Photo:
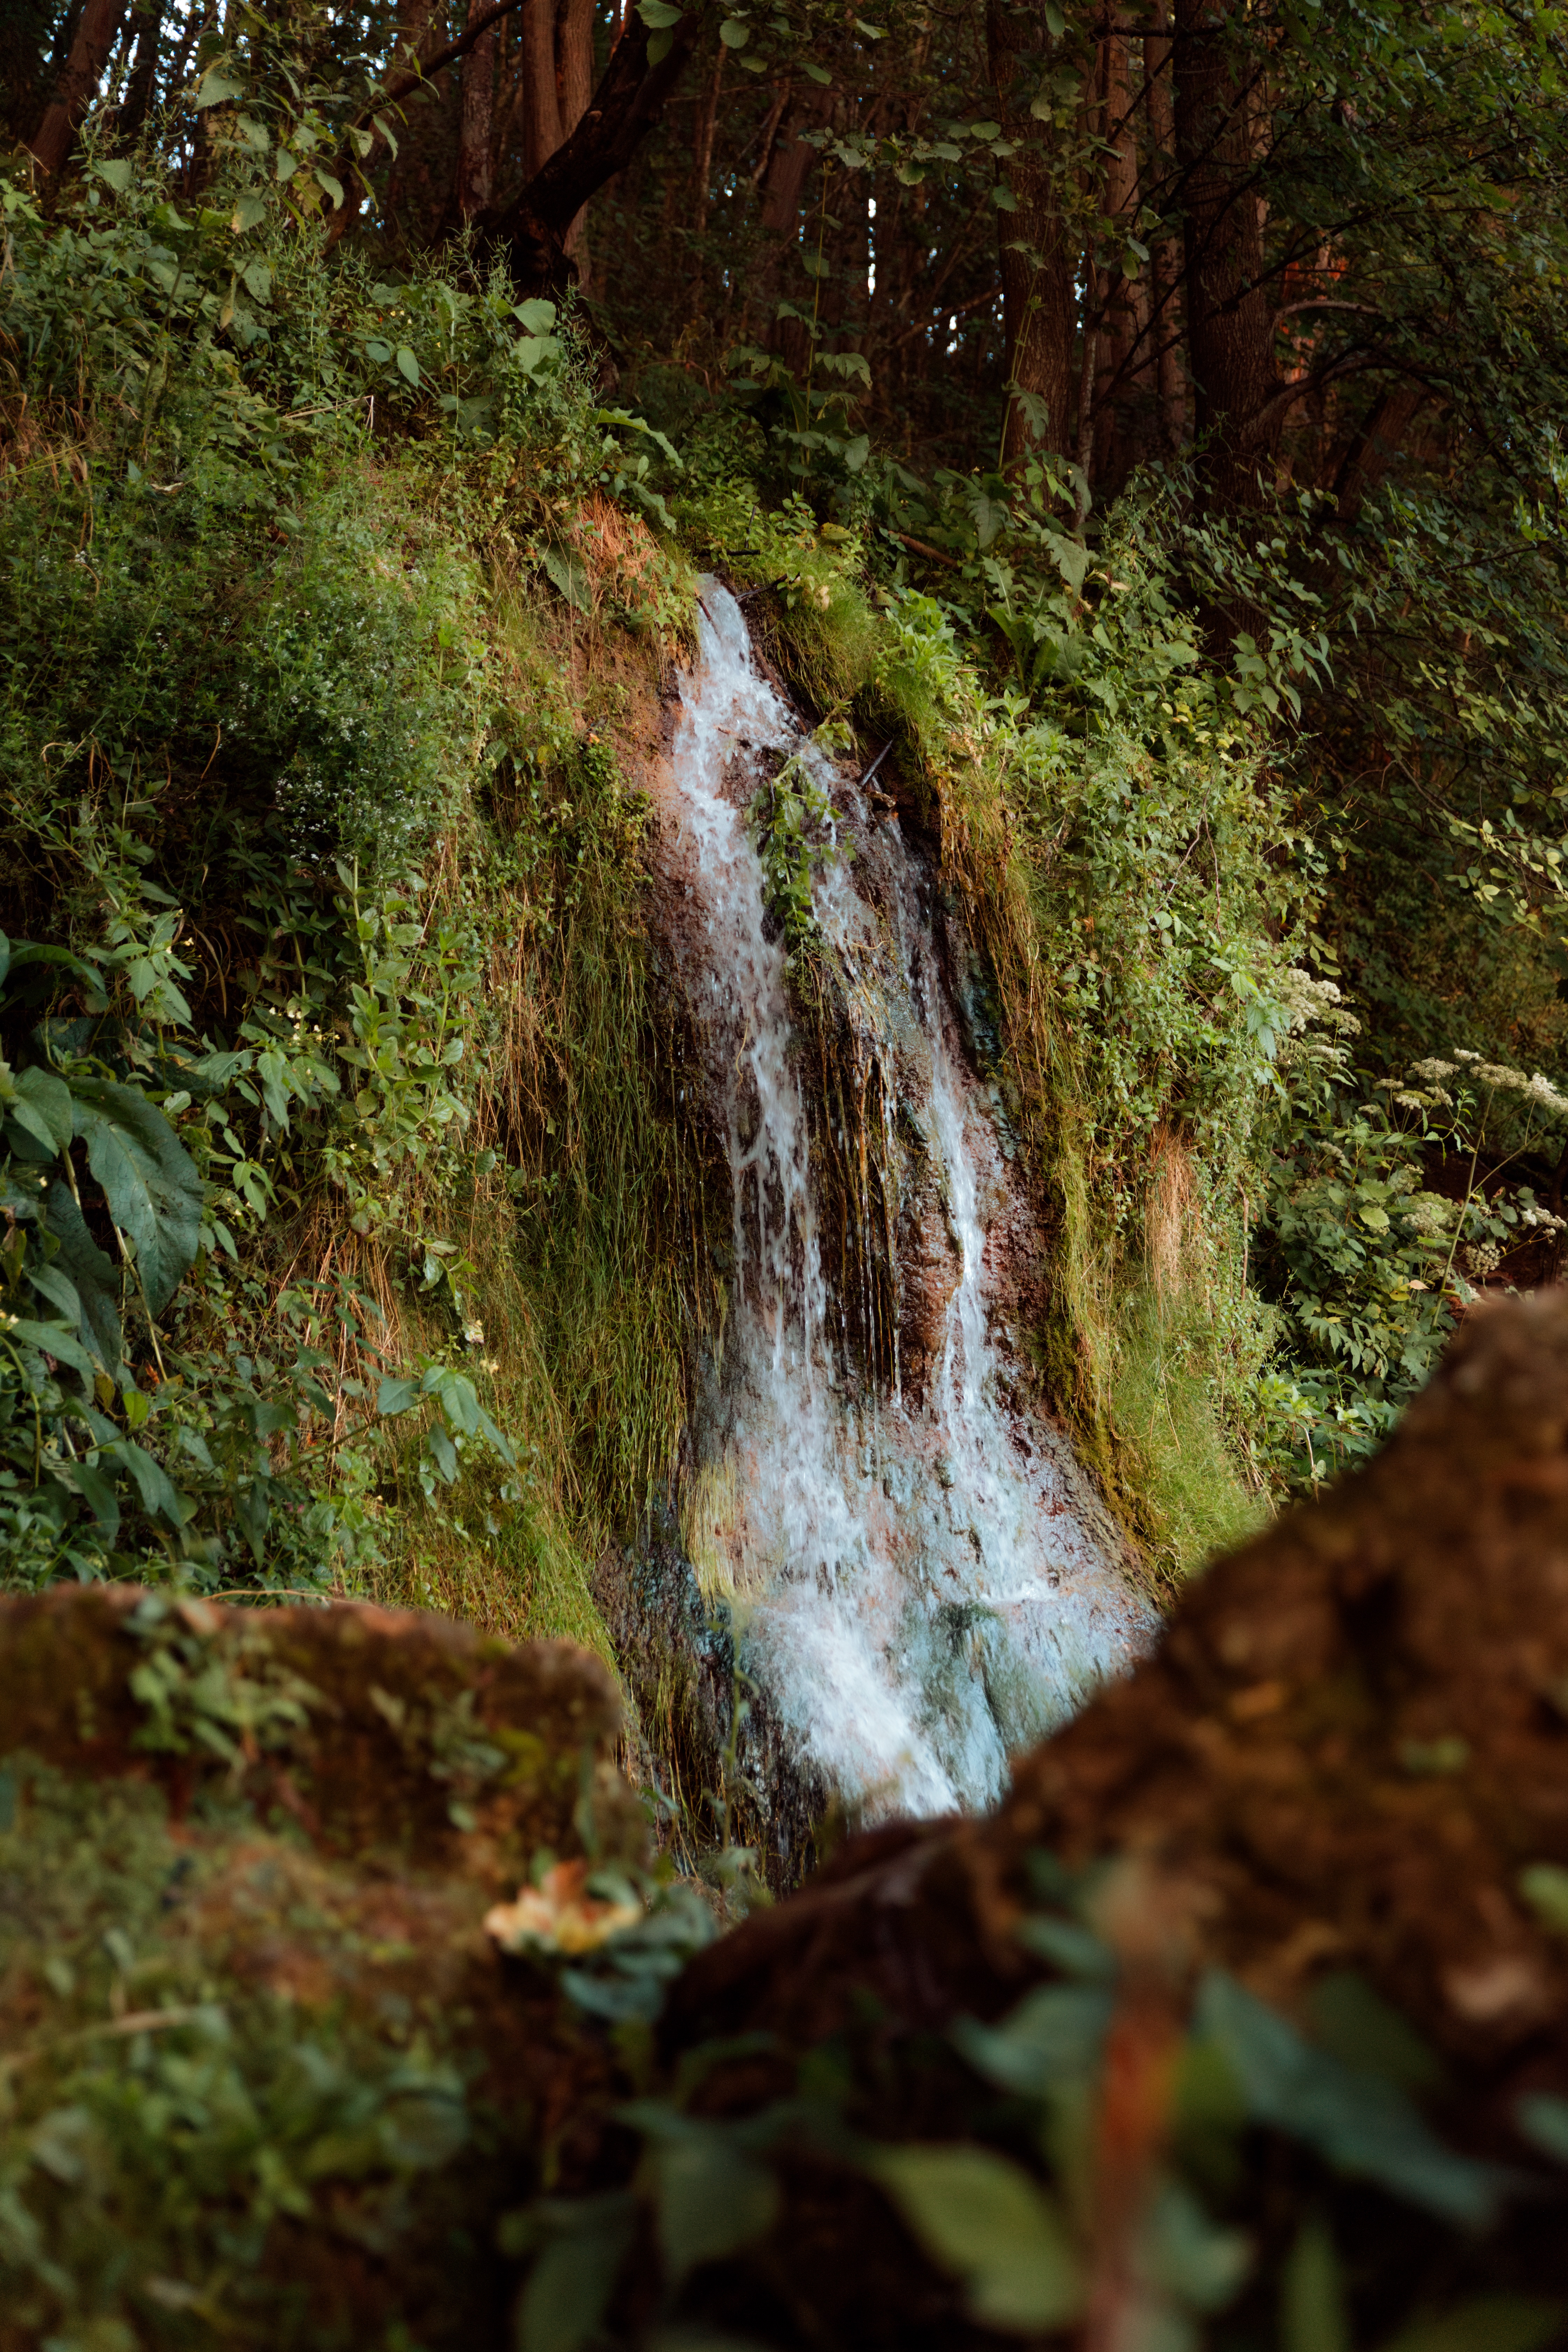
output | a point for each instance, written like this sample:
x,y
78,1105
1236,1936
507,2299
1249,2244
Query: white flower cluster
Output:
x,y
1535,1088
1429,1214
1306,1000
1499,1076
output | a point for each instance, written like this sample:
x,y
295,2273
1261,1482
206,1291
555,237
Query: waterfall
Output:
x,y
919,1575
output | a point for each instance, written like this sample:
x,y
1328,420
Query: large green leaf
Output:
x,y
149,1180
91,1273
57,1340
1360,2123
159,1495
47,1099
582,2243
987,2219
714,2196
1055,2035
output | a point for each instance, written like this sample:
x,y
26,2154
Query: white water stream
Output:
x,y
914,1578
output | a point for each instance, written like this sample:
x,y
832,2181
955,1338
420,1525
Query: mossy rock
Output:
x,y
265,2075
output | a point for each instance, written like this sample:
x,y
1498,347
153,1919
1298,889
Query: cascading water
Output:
x,y
912,1574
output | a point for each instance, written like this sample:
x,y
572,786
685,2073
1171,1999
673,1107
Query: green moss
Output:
x,y
1167,1409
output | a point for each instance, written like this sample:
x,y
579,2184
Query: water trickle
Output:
x,y
920,1576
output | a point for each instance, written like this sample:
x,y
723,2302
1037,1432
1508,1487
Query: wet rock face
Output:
x,y
262,2064
924,1580
707,1741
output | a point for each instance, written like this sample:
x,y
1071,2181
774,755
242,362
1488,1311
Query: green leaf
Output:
x,y
535,317
1195,2261
572,2281
93,1274
33,1124
159,1496
1544,1887
257,280
56,1338
1312,2316
217,89
534,352
1488,2323
1055,2036
1359,2123
623,416
331,185
712,2199
408,365
567,574
991,2224
4,955
817,73
658,14
1542,2117
58,1289
444,1456
115,174
459,1403
397,1396
96,1492
377,350
1074,1949
149,1182
1004,199
855,452
1353,2021
734,35
284,164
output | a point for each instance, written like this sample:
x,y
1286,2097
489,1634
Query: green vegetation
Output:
x,y
348,1216
356,1229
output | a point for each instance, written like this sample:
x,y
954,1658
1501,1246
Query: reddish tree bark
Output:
x,y
1230,322
542,133
1112,446
95,37
574,81
1165,272
630,98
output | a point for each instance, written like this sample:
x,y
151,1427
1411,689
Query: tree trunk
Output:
x,y
1375,445
1113,440
784,188
574,79
543,132
702,173
629,99
148,20
1038,256
473,188
1230,324
1165,269
89,52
